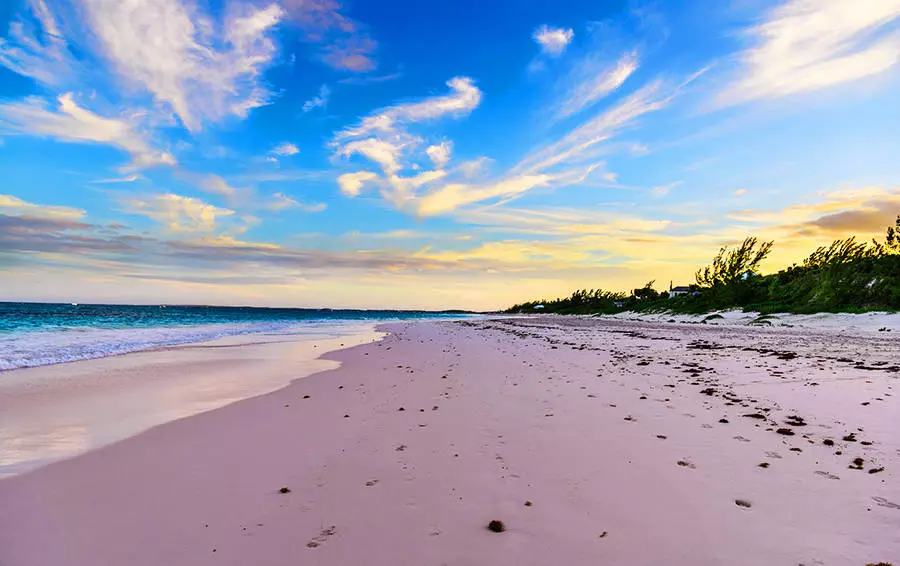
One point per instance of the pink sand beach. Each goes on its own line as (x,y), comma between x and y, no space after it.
(594,441)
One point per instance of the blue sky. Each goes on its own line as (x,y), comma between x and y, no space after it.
(431,155)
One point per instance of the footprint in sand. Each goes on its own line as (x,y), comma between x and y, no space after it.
(321,537)
(882,502)
(827,475)
(741,438)
(775,455)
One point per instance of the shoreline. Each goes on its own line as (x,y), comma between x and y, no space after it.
(555,411)
(57,411)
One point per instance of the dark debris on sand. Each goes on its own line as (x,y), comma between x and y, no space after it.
(496,526)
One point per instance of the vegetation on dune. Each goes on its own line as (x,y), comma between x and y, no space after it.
(846,276)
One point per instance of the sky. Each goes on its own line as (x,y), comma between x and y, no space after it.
(409,154)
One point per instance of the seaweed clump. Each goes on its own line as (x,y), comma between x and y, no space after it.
(496,526)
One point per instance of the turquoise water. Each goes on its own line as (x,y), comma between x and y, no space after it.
(35,334)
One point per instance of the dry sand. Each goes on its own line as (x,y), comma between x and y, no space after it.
(594,441)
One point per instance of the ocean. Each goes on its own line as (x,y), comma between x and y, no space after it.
(37,334)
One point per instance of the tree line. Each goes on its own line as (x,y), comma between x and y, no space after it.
(845,276)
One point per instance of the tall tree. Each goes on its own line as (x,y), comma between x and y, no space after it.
(892,238)
(730,265)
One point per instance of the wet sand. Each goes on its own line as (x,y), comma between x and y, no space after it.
(594,441)
(54,412)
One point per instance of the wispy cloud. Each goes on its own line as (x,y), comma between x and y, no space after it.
(281,201)
(285,149)
(216,185)
(200,251)
(203,70)
(351,184)
(463,98)
(369,79)
(578,146)
(308,175)
(318,101)
(382,137)
(663,190)
(74,124)
(126,179)
(353,54)
(177,213)
(807,45)
(561,221)
(45,57)
(42,234)
(440,153)
(16,206)
(832,213)
(247,200)
(385,153)
(451,196)
(346,44)
(570,160)
(553,40)
(592,80)
(473,167)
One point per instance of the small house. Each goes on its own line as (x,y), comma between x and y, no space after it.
(678,291)
(538,307)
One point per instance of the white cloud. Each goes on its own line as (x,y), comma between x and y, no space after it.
(9,203)
(318,101)
(450,197)
(578,145)
(663,190)
(593,80)
(369,79)
(44,57)
(280,202)
(807,45)
(71,123)
(246,199)
(351,184)
(553,41)
(202,70)
(453,195)
(464,97)
(126,179)
(472,168)
(177,213)
(216,185)
(381,152)
(382,136)
(402,190)
(739,192)
(285,149)
(570,160)
(440,153)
